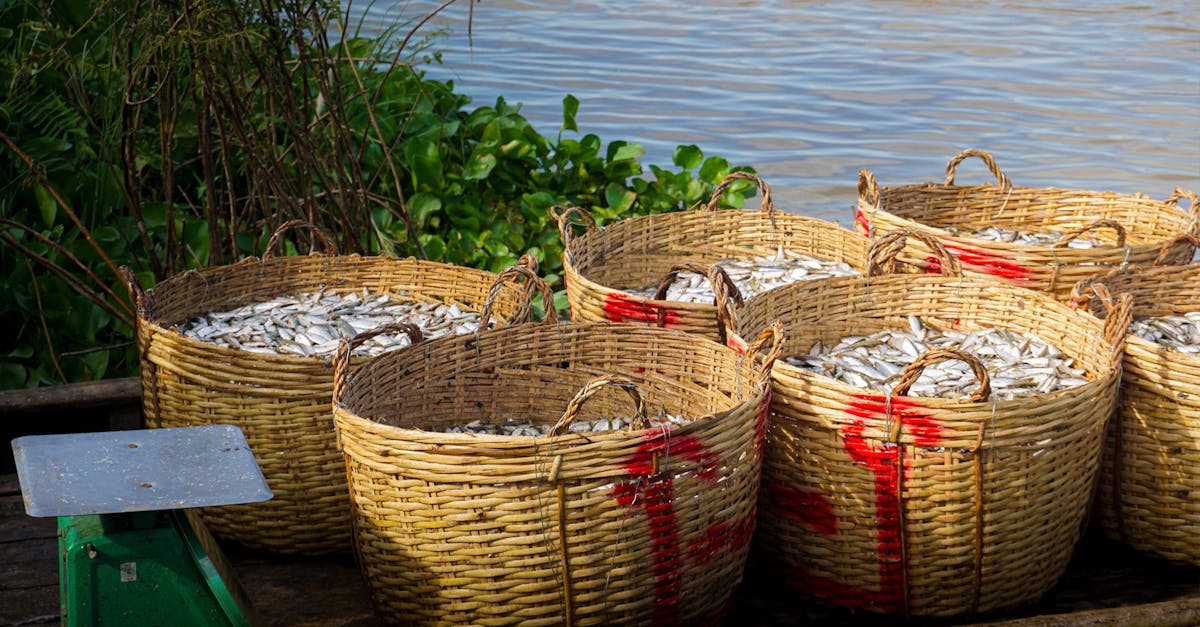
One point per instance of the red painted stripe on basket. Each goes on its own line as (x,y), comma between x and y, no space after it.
(861,220)
(933,265)
(992,263)
(625,308)
(926,430)
(882,462)
(722,537)
(806,506)
(652,490)
(847,596)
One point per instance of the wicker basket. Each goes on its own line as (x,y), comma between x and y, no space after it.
(1150,479)
(639,252)
(616,527)
(1130,229)
(926,506)
(281,402)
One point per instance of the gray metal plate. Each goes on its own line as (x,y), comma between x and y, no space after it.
(141,470)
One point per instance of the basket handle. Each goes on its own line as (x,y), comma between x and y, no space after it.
(868,189)
(881,257)
(1193,211)
(1076,232)
(1192,241)
(526,266)
(563,215)
(724,290)
(1118,312)
(341,359)
(764,191)
(940,354)
(136,294)
(327,243)
(592,387)
(775,334)
(952,167)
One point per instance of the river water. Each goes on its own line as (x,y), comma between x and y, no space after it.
(1091,95)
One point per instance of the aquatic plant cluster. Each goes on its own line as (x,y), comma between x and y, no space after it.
(140,136)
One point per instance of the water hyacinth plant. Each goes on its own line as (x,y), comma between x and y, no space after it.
(166,137)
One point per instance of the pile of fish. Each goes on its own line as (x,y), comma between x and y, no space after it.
(1181,333)
(753,276)
(1024,238)
(313,324)
(529,428)
(1018,364)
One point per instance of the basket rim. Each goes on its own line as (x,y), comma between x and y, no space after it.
(145,315)
(942,233)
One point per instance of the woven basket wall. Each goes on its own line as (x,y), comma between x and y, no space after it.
(926,506)
(636,253)
(281,402)
(616,527)
(1150,480)
(1130,228)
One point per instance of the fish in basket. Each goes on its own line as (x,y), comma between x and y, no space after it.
(555,474)
(934,439)
(679,270)
(252,344)
(1041,238)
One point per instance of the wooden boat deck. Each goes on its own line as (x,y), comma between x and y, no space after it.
(1106,583)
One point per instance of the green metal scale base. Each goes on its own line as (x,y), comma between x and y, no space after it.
(129,551)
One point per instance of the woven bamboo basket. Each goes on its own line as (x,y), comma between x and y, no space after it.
(1128,229)
(641,526)
(281,402)
(600,265)
(926,506)
(1150,480)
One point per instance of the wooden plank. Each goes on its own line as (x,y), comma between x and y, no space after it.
(1178,613)
(76,396)
(16,525)
(29,564)
(306,593)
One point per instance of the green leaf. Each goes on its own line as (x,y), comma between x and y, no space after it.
(435,247)
(12,376)
(421,206)
(714,169)
(618,197)
(688,157)
(24,351)
(425,159)
(621,151)
(46,204)
(106,234)
(570,109)
(479,167)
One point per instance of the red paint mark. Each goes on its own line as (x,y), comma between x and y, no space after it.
(620,307)
(721,537)
(848,596)
(910,412)
(806,506)
(653,491)
(989,262)
(861,220)
(885,462)
(738,345)
(933,265)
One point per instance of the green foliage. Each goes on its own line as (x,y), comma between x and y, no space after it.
(166,142)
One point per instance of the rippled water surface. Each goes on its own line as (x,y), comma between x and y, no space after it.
(1089,95)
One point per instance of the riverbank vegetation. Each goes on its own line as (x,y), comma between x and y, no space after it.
(166,136)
